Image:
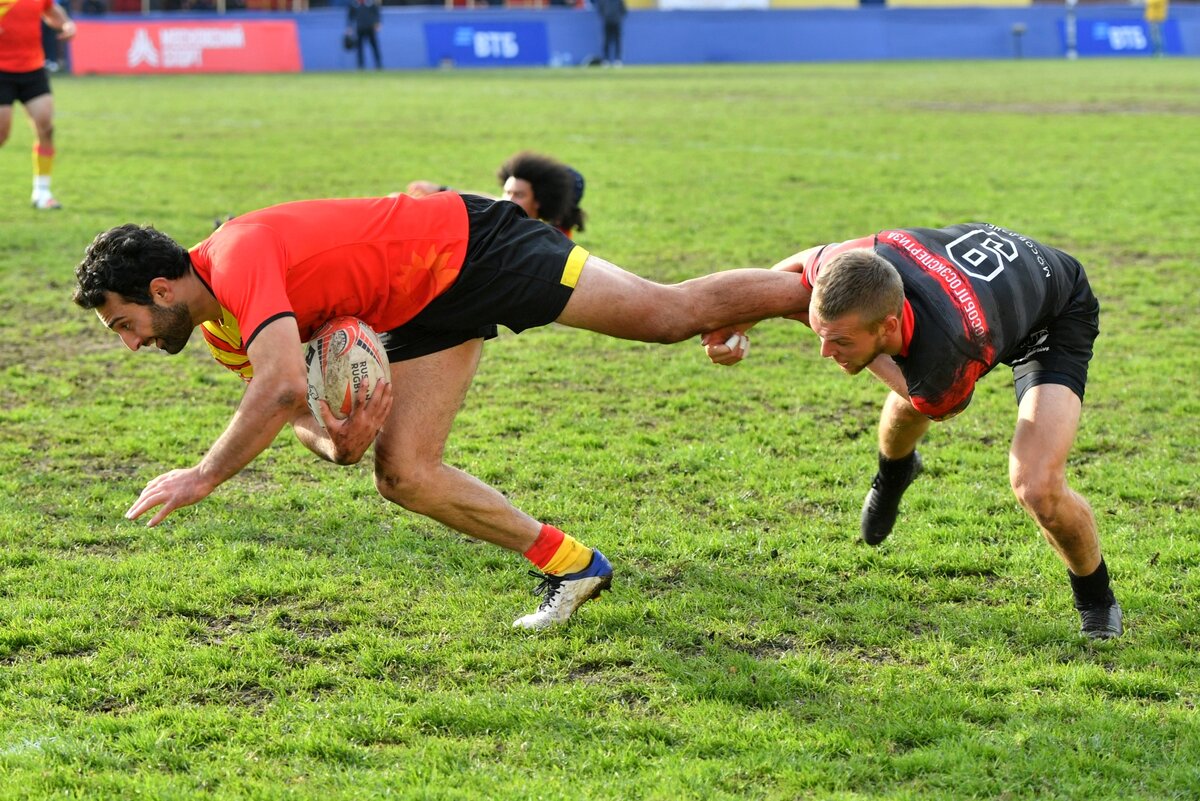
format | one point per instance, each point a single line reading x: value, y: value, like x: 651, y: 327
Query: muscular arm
x: 795, y: 264
x: 274, y: 397
x: 714, y: 341
x: 887, y: 371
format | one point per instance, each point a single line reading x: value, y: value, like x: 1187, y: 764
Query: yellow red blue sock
x: 557, y: 553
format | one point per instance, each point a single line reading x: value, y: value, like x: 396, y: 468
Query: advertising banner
x: 1122, y: 37
x: 487, y: 44
x: 157, y: 46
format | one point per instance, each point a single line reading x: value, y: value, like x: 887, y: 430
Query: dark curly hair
x: 124, y: 260
x: 556, y: 187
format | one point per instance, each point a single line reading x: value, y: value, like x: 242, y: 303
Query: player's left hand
x: 726, y: 346
x: 67, y: 31
x: 352, y: 436
x: 171, y: 491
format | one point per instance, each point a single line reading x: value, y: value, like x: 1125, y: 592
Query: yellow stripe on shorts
x: 574, y: 266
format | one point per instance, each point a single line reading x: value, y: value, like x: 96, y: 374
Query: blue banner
x: 486, y: 44
x: 1123, y: 37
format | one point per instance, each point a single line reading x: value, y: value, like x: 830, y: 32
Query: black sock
x: 1093, y: 590
x: 896, y: 471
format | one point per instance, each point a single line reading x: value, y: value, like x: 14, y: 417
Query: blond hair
x: 858, y: 281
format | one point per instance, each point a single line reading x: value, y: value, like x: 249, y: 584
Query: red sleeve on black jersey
x: 813, y: 268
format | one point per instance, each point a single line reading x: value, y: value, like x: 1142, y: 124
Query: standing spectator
x: 23, y: 77
x: 1156, y: 15
x: 612, y: 13
x: 362, y: 22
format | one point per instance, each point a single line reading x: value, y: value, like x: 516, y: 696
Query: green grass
x: 294, y: 636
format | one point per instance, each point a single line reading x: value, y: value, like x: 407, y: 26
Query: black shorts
x: 23, y: 86
x: 518, y: 273
x: 1059, y: 351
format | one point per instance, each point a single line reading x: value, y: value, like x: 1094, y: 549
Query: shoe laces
x: 548, y: 587
x: 1095, y: 617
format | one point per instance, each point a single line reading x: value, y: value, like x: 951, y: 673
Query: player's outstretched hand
x: 726, y: 346
x: 171, y: 491
x: 351, y: 437
x: 422, y: 188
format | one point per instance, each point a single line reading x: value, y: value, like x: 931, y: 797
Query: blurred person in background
x: 1156, y: 15
x: 544, y: 188
x: 24, y: 78
x: 612, y: 17
x: 363, y: 20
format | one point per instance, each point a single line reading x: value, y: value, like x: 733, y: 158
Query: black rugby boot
x: 882, y: 503
x: 1101, y: 622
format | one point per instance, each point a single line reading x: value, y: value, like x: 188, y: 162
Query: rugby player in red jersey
x: 930, y: 311
x: 434, y: 276
x: 23, y: 77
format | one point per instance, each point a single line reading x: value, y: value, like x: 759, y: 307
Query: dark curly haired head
x: 124, y: 260
x: 556, y: 187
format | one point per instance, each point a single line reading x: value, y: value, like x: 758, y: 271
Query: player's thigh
x: 1047, y: 420
x: 5, y: 122
x: 610, y: 300
x: 427, y: 393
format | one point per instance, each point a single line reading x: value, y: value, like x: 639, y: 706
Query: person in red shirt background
x: 434, y: 276
x: 23, y: 78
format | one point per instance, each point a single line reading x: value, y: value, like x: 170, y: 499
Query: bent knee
x: 405, y: 485
x: 1041, y: 493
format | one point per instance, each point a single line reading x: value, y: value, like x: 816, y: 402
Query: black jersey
x: 974, y: 293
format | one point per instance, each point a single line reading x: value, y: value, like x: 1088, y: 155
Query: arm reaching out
x: 728, y: 346
x: 275, y: 396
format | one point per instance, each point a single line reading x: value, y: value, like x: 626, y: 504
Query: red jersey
x: 381, y: 260
x: 21, y: 34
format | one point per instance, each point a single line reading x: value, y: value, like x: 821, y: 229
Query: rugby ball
x: 342, y: 355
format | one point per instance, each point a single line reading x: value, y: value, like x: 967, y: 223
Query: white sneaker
x: 46, y: 203
x: 565, y: 594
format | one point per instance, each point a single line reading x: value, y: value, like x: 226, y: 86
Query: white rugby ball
x: 341, y: 355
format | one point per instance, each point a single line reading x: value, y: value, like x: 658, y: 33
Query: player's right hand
x: 422, y: 188
x: 726, y: 346
x: 352, y: 436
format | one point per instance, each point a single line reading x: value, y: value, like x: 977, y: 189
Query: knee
x: 405, y: 485
x: 1041, y: 492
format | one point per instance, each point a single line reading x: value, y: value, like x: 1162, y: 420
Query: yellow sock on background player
x: 43, y: 165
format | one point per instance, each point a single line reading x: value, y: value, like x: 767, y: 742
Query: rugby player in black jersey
x: 930, y: 312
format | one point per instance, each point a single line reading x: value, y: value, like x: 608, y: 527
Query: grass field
x: 294, y: 636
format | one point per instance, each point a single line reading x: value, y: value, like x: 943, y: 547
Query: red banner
x: 124, y: 48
